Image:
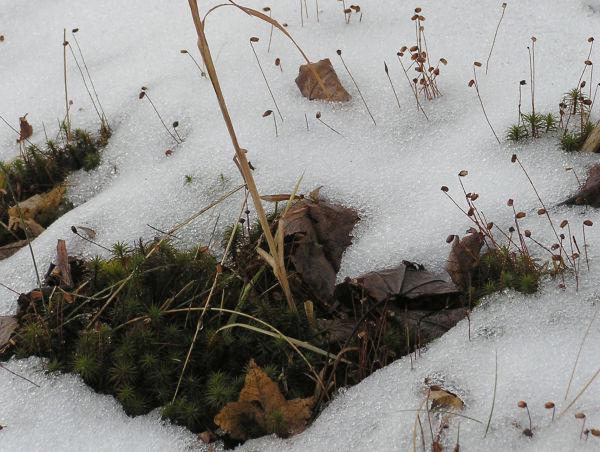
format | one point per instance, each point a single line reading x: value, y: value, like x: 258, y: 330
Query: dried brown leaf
x: 310, y: 87
x: 26, y: 130
x: 464, y: 256
x: 262, y: 408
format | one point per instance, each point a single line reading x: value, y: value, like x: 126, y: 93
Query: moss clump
x: 38, y: 171
x: 128, y: 330
x: 500, y: 268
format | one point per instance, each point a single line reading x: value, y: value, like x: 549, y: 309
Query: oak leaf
x: 262, y: 409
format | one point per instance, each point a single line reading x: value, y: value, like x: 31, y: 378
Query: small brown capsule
x: 477, y: 63
x: 471, y: 83
x: 588, y: 223
x: 418, y: 10
x: 580, y: 415
x: 253, y: 39
x: 444, y: 189
x: 413, y: 49
x: 541, y: 212
x: 443, y: 61
x: 463, y: 173
x: 520, y: 215
x: 549, y: 405
x: 510, y: 203
x: 513, y: 158
x: 522, y: 404
x: 563, y: 223
x: 595, y: 432
x: 318, y: 115
x: 527, y: 233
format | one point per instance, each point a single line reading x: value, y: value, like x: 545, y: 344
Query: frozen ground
x: 391, y: 172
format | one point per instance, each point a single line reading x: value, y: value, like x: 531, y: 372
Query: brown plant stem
x: 494, y: 40
x: 265, y: 79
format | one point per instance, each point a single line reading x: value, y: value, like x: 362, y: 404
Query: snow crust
x: 391, y: 172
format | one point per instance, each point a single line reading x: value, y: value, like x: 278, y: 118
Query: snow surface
x: 390, y: 172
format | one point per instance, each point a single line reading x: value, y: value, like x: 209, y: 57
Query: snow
x: 391, y: 172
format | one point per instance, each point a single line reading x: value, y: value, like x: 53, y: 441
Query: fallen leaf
x: 11, y: 248
x: 8, y: 325
x: 33, y: 207
x: 91, y: 234
x: 62, y: 264
x: 592, y: 142
x: 408, y: 280
x: 26, y: 130
x: 262, y: 409
x: 279, y: 197
x: 321, y: 233
x: 589, y: 193
x: 464, y: 256
x: 442, y: 398
x: 310, y: 87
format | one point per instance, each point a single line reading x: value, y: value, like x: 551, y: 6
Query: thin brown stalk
x: 476, y: 85
x: 494, y: 40
x: 318, y: 116
x: 87, y: 71
x: 85, y: 84
x: 67, y: 120
x: 387, y: 72
x: 252, y: 40
x: 201, y: 69
x: 339, y: 52
x: 412, y: 87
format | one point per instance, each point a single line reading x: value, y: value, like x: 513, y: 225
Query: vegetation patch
x: 160, y: 327
x: 32, y: 186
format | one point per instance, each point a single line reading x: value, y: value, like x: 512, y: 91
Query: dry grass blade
x: 274, y: 23
x: 280, y: 272
x: 489, y: 422
x: 210, y: 295
x: 587, y: 332
x: 580, y: 393
x: 184, y: 223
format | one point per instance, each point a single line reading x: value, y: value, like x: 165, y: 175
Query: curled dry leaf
x: 8, y: 325
x: 262, y: 409
x: 32, y: 208
x: 322, y: 233
x: 463, y: 258
x: 309, y: 85
x: 26, y: 130
x: 407, y: 280
x: 444, y: 399
x: 589, y: 193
